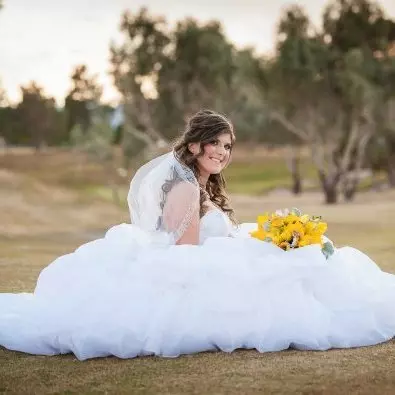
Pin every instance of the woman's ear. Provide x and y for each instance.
(194, 148)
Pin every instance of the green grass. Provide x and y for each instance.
(242, 178)
(251, 172)
(263, 176)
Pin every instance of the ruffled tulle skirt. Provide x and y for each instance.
(126, 295)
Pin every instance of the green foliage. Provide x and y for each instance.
(3, 97)
(37, 115)
(11, 126)
(197, 72)
(328, 249)
(326, 87)
(188, 68)
(132, 146)
(95, 141)
(357, 24)
(83, 97)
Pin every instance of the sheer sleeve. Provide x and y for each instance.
(181, 213)
(164, 197)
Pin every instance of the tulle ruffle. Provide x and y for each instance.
(130, 294)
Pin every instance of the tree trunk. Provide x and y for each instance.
(296, 184)
(115, 195)
(112, 184)
(349, 185)
(391, 170)
(331, 194)
(349, 190)
(330, 187)
(294, 168)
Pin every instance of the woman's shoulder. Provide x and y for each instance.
(183, 189)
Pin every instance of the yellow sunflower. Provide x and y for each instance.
(262, 219)
(290, 230)
(291, 219)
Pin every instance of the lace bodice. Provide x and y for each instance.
(214, 224)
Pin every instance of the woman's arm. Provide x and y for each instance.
(191, 234)
(182, 210)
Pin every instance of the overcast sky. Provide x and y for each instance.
(42, 40)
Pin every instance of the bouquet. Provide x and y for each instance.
(290, 229)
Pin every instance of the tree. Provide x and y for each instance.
(37, 114)
(243, 100)
(3, 97)
(351, 25)
(3, 116)
(384, 142)
(135, 66)
(83, 97)
(166, 75)
(2, 101)
(327, 108)
(197, 74)
(97, 142)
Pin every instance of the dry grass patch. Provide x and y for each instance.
(358, 371)
(43, 220)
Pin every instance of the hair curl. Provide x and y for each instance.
(202, 128)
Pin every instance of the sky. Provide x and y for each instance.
(43, 40)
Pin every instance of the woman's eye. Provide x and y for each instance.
(228, 147)
(214, 142)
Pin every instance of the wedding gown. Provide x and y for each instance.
(128, 294)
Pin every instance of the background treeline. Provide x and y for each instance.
(329, 89)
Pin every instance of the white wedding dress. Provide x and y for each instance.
(128, 294)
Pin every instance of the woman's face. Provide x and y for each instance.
(216, 155)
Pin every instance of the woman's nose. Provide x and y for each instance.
(220, 149)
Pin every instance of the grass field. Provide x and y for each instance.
(43, 216)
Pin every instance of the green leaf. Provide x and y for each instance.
(328, 249)
(296, 211)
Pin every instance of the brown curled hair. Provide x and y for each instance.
(203, 128)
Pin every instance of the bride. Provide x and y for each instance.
(183, 278)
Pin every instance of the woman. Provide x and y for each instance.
(173, 282)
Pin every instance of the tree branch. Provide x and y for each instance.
(289, 126)
(350, 145)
